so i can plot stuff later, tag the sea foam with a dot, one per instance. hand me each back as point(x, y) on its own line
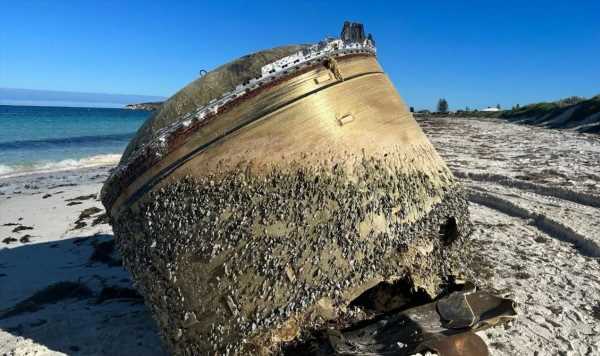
point(7, 171)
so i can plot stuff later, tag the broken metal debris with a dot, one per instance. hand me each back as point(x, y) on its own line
point(440, 327)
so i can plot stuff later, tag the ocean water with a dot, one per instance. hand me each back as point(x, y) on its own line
point(41, 138)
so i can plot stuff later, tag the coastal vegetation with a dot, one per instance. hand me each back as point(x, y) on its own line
point(574, 112)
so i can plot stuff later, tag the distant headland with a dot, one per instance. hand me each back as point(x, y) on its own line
point(150, 106)
point(34, 97)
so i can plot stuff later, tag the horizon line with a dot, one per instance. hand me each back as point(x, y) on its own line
point(82, 92)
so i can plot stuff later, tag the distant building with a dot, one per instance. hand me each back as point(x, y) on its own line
point(491, 108)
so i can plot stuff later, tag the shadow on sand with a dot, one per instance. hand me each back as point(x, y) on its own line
point(72, 296)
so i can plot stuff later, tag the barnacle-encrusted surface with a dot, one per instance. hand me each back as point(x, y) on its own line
point(244, 257)
point(263, 222)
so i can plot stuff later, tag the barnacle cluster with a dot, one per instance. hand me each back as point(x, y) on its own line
point(238, 260)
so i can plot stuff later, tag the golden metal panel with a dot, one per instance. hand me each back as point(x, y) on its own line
point(325, 77)
point(262, 104)
point(309, 125)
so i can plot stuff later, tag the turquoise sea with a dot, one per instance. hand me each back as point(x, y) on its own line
point(41, 138)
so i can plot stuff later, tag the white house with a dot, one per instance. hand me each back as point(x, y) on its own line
point(491, 108)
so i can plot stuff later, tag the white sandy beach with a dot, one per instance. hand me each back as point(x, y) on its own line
point(60, 251)
point(535, 204)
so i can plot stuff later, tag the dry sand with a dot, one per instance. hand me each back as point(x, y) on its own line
point(59, 251)
point(535, 203)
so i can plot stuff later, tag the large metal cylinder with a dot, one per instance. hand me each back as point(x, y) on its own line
point(269, 219)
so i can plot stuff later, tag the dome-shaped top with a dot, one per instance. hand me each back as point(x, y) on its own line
point(204, 89)
point(202, 102)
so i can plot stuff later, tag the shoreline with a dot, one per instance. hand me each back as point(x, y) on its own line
point(66, 165)
point(34, 182)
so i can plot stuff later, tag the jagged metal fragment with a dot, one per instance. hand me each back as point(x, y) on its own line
point(429, 327)
point(457, 312)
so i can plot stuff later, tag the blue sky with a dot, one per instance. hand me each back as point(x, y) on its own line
point(474, 53)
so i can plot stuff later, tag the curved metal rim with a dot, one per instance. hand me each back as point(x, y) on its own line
point(152, 182)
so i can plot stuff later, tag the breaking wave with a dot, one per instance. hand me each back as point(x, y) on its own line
point(7, 171)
